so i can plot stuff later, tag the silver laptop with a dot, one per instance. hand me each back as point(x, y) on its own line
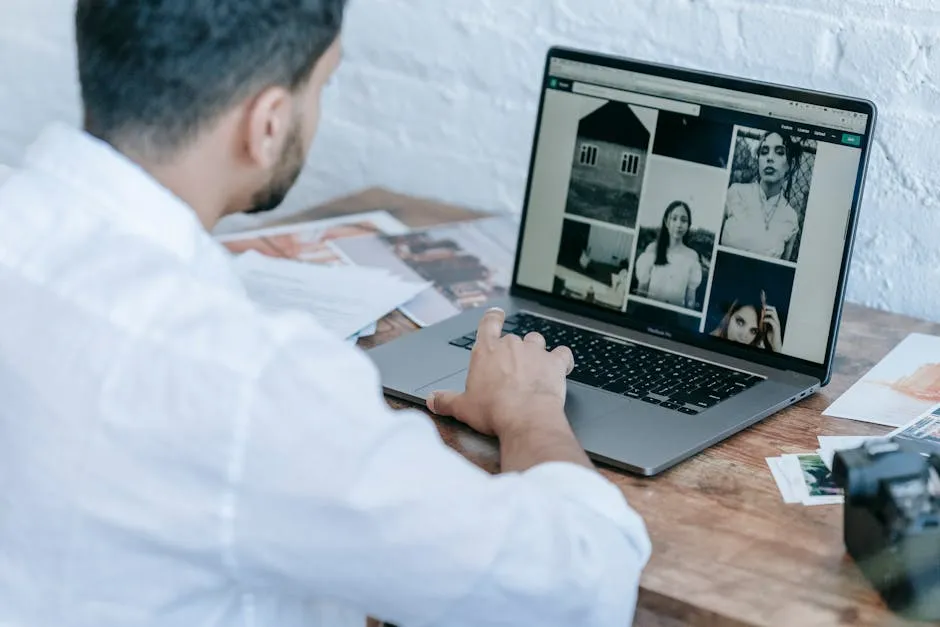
point(688, 236)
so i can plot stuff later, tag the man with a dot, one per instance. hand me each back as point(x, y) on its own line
point(170, 455)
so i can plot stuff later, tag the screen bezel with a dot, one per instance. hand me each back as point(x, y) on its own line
point(823, 371)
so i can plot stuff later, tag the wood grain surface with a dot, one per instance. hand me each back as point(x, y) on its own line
point(726, 549)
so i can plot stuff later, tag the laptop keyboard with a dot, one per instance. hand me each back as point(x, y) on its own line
point(655, 376)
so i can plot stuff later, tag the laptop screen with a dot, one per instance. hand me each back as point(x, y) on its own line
point(692, 210)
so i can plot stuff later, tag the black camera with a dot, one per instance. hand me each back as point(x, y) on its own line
point(892, 522)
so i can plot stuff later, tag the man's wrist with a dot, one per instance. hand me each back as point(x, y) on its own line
point(533, 417)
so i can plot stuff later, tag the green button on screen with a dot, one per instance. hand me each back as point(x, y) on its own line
point(851, 140)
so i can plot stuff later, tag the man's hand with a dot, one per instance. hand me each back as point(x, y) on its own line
point(511, 381)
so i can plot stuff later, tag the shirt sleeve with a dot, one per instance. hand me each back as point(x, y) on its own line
point(733, 201)
point(793, 223)
point(339, 497)
point(695, 271)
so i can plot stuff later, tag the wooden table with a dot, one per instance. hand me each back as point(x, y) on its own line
point(726, 549)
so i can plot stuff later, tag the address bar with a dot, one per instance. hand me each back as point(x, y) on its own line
point(641, 100)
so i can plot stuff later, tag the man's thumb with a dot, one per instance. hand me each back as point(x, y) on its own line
point(444, 403)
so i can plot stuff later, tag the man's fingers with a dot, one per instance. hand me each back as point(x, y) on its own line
point(565, 355)
point(535, 338)
point(491, 326)
point(445, 403)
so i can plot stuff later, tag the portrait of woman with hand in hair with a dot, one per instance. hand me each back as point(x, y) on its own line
point(669, 270)
point(753, 324)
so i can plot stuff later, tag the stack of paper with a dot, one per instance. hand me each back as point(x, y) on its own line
point(902, 390)
point(469, 263)
point(344, 299)
point(807, 478)
point(804, 479)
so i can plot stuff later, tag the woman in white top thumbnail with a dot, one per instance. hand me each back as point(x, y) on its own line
point(669, 270)
point(758, 218)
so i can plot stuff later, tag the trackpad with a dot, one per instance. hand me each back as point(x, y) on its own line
point(454, 383)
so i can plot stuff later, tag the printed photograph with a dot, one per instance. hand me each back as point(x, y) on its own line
point(459, 275)
point(817, 477)
point(904, 384)
point(662, 318)
point(926, 429)
point(694, 139)
point(805, 478)
point(680, 214)
point(750, 301)
point(594, 264)
point(922, 434)
point(309, 241)
point(771, 177)
point(469, 263)
point(609, 162)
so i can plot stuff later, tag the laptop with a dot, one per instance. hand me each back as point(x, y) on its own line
point(688, 236)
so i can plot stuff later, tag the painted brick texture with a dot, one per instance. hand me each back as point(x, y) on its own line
point(438, 98)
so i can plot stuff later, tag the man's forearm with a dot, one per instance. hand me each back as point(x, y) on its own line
point(545, 438)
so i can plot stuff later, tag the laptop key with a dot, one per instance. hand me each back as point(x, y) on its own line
point(461, 342)
point(584, 376)
point(618, 386)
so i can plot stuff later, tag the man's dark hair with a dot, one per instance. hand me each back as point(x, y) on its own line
point(153, 73)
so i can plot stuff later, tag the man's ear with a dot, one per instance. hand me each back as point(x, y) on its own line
point(268, 126)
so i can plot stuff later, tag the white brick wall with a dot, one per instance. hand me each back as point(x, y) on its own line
point(437, 97)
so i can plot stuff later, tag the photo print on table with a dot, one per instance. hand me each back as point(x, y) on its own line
point(680, 214)
point(609, 163)
point(771, 177)
point(749, 301)
point(594, 263)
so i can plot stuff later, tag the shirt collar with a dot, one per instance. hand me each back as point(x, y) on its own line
point(117, 188)
point(763, 195)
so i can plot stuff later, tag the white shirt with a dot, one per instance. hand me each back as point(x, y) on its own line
point(756, 223)
point(171, 455)
point(670, 283)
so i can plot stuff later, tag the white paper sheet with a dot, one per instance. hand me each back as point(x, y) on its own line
point(804, 479)
point(347, 300)
point(900, 387)
point(470, 263)
point(309, 241)
point(829, 444)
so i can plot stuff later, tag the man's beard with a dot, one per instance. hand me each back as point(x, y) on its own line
point(282, 180)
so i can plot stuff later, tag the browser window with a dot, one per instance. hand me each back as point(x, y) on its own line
point(690, 207)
